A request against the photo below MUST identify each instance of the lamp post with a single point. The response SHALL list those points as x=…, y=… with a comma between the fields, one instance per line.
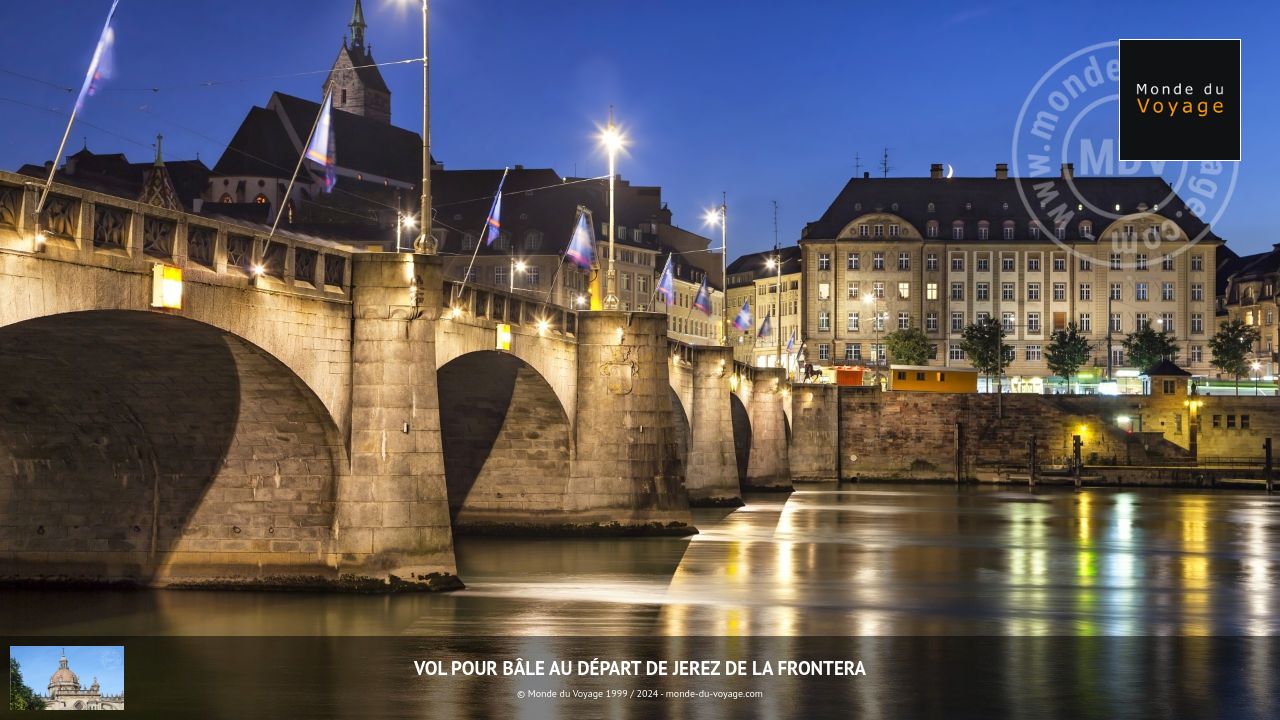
x=426, y=137
x=720, y=216
x=516, y=266
x=1257, y=367
x=870, y=299
x=775, y=263
x=406, y=222
x=611, y=138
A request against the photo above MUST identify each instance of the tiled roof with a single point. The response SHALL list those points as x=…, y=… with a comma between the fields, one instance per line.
x=113, y=174
x=756, y=264
x=973, y=199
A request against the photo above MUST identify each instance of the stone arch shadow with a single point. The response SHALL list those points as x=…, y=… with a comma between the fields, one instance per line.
x=148, y=447
x=741, y=436
x=507, y=442
x=680, y=435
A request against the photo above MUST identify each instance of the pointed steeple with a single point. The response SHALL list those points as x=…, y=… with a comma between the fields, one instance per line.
x=159, y=155
x=357, y=26
x=157, y=186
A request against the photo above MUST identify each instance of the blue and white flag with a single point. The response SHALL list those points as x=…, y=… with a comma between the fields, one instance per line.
x=493, y=225
x=666, y=284
x=702, y=301
x=320, y=149
x=100, y=65
x=743, y=321
x=766, y=327
x=582, y=247
x=791, y=341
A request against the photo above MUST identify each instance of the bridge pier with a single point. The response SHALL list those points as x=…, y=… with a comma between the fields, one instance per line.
x=768, y=467
x=711, y=473
x=391, y=522
x=625, y=474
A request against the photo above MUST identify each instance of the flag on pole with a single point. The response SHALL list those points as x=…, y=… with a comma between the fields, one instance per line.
x=702, y=300
x=582, y=247
x=791, y=341
x=100, y=65
x=743, y=321
x=766, y=327
x=493, y=225
x=666, y=284
x=320, y=149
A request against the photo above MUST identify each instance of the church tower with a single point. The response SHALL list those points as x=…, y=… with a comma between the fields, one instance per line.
x=357, y=84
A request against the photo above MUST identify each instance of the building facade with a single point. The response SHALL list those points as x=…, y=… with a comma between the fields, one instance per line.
x=940, y=253
x=1249, y=295
x=754, y=279
x=66, y=693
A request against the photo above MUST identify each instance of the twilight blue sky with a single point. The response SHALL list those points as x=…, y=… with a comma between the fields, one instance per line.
x=763, y=100
x=106, y=662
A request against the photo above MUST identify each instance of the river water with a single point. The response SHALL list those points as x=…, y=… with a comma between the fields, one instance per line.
x=962, y=567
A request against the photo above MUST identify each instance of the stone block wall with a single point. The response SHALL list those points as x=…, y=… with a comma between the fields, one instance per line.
x=625, y=470
x=767, y=468
x=711, y=473
x=813, y=450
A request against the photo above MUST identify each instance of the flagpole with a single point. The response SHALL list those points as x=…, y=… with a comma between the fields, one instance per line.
x=467, y=275
x=75, y=110
x=301, y=156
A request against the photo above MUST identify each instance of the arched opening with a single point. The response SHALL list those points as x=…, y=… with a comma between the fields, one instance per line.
x=506, y=441
x=132, y=441
x=680, y=428
x=741, y=435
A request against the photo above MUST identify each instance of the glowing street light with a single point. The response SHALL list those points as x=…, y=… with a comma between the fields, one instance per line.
x=612, y=139
x=426, y=135
x=517, y=266
x=719, y=216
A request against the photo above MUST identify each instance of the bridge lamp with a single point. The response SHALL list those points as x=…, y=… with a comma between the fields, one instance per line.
x=409, y=221
x=258, y=270
x=613, y=141
x=543, y=326
x=580, y=301
x=166, y=287
x=39, y=239
x=503, y=341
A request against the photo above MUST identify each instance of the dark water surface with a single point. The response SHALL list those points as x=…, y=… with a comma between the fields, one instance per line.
x=1097, y=603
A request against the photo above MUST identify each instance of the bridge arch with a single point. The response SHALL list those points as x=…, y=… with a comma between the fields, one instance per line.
x=741, y=435
x=150, y=447
x=507, y=440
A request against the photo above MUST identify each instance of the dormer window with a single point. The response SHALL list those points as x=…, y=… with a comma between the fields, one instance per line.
x=1007, y=229
x=931, y=207
x=957, y=230
x=984, y=230
x=1086, y=229
x=931, y=227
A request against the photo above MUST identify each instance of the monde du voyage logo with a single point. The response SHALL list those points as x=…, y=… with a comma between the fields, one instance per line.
x=1180, y=100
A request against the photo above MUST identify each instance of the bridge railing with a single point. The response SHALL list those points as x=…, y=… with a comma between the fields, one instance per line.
x=487, y=303
x=93, y=228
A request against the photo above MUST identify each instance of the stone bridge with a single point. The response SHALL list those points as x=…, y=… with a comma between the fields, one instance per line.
x=316, y=414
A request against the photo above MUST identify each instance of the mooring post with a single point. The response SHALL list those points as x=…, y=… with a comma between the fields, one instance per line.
x=1031, y=461
x=1266, y=467
x=1076, y=445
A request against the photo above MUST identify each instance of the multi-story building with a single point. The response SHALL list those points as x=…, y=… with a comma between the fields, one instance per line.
x=1249, y=295
x=940, y=253
x=684, y=321
x=754, y=279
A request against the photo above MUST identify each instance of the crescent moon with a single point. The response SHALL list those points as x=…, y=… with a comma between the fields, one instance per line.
x=950, y=171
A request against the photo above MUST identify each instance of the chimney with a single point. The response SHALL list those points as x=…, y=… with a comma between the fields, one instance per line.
x=1002, y=171
x=1068, y=170
x=866, y=174
x=935, y=171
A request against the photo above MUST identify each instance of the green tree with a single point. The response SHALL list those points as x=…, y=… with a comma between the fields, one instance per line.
x=1066, y=352
x=983, y=344
x=21, y=697
x=907, y=347
x=1231, y=346
x=1147, y=347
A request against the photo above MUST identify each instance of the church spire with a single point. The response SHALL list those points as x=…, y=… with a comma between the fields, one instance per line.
x=357, y=26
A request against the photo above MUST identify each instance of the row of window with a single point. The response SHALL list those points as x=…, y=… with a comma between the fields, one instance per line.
x=1009, y=229
x=1032, y=325
x=1008, y=291
x=1030, y=353
x=691, y=326
x=1141, y=261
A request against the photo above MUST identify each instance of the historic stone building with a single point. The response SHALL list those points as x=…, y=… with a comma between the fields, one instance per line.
x=1249, y=294
x=358, y=87
x=940, y=253
x=684, y=322
x=66, y=693
x=753, y=281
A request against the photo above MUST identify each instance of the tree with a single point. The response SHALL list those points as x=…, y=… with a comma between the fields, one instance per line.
x=983, y=344
x=1066, y=352
x=907, y=347
x=21, y=697
x=1231, y=346
x=1147, y=347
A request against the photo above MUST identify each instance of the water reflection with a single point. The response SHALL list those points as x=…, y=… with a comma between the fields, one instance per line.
x=841, y=561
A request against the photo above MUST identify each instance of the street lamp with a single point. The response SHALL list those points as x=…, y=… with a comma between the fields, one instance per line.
x=422, y=244
x=407, y=222
x=775, y=263
x=613, y=140
x=870, y=299
x=720, y=216
x=1257, y=367
x=517, y=266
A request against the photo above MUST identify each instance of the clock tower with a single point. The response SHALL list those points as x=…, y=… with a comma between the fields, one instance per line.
x=358, y=87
